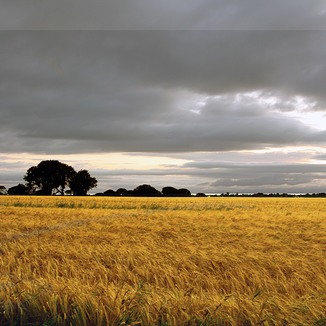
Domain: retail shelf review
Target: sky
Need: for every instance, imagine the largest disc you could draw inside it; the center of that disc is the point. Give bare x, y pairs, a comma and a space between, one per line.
212, 96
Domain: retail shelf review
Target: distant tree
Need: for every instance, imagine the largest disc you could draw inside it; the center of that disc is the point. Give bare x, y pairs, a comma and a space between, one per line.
170, 192
81, 182
173, 192
129, 193
146, 191
201, 194
110, 192
20, 189
121, 192
49, 177
184, 192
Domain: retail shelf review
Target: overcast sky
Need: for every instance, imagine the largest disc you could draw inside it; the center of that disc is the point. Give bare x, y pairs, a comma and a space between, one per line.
214, 96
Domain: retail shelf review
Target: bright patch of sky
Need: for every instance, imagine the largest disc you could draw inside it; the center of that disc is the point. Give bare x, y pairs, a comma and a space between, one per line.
312, 119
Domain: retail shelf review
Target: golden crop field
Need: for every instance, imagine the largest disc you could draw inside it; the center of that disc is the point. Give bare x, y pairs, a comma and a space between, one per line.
162, 261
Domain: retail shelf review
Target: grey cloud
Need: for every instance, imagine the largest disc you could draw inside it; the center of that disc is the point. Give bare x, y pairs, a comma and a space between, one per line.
209, 160
254, 173
225, 170
122, 91
228, 177
271, 187
277, 180
260, 168
9, 165
214, 62
149, 14
283, 178
10, 179
11, 171
320, 157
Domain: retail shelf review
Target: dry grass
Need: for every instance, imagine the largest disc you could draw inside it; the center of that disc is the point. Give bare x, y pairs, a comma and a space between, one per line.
141, 261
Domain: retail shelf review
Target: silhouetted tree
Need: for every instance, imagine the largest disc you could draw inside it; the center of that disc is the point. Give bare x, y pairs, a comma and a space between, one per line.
48, 177
146, 191
81, 182
184, 192
20, 189
110, 192
121, 191
173, 192
170, 192
129, 193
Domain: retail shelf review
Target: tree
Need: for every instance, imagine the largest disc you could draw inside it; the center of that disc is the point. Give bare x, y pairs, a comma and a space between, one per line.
173, 192
18, 190
146, 191
49, 177
81, 182
184, 192
110, 192
122, 192
170, 192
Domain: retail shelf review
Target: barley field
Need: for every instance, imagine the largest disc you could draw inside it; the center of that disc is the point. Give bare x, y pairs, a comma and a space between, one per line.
162, 261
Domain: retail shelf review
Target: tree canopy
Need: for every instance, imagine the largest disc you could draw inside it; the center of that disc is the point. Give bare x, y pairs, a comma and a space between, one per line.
52, 177
20, 189
146, 191
81, 182
173, 192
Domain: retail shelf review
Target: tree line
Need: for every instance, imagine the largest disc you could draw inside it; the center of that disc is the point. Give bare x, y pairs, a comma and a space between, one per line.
147, 191
56, 178
52, 177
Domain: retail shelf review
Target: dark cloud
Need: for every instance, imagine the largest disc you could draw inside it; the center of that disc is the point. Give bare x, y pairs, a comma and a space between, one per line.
155, 14
158, 91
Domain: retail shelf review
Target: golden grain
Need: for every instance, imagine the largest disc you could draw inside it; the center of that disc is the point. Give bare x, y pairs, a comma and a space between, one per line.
162, 261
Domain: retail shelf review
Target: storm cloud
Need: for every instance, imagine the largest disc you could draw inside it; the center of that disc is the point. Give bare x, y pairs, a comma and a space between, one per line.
155, 14
151, 91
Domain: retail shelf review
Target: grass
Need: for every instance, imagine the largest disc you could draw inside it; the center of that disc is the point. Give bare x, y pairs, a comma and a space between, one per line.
159, 261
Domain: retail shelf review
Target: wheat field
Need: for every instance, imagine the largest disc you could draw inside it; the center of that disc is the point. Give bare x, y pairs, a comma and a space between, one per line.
162, 261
